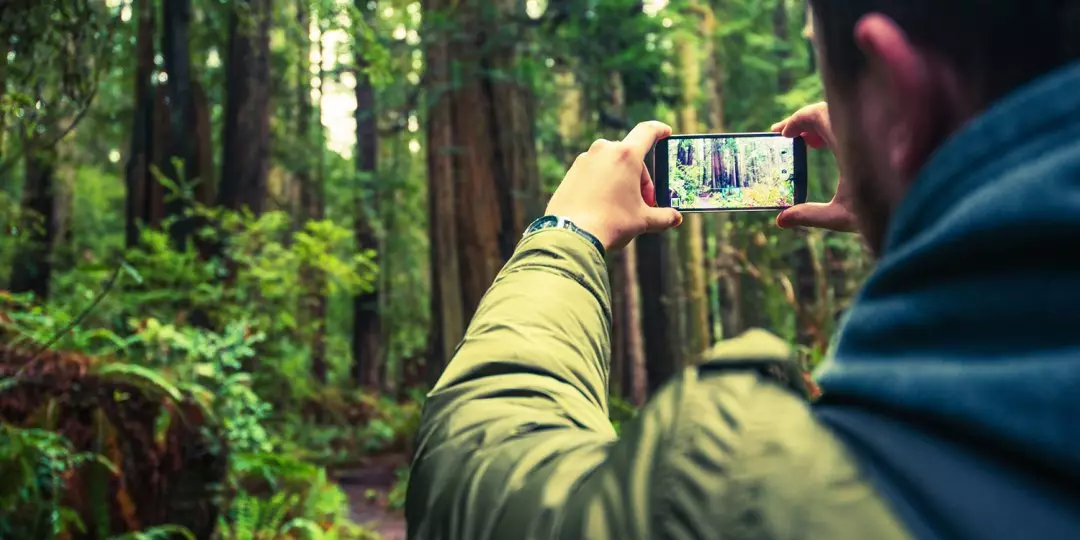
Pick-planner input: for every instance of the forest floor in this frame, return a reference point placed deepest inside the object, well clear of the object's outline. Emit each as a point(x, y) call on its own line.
point(367, 486)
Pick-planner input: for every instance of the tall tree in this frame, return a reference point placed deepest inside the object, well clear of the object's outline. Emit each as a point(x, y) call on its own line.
point(311, 191)
point(32, 271)
point(447, 301)
point(627, 347)
point(481, 153)
point(723, 275)
point(179, 161)
point(139, 160)
point(366, 349)
point(246, 140)
point(691, 238)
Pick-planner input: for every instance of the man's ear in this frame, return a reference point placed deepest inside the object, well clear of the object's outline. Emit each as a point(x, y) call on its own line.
point(909, 98)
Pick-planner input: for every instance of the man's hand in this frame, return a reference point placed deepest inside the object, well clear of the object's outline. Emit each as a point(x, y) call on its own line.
point(812, 123)
point(609, 193)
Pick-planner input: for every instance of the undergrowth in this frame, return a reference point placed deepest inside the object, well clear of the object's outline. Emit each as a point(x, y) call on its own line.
point(240, 378)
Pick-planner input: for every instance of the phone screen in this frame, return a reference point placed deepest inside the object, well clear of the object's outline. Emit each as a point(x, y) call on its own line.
point(733, 172)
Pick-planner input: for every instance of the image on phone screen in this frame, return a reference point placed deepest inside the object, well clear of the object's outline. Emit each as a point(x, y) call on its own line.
point(730, 172)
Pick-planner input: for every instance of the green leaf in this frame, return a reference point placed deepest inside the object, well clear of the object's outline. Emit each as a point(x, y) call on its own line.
point(144, 378)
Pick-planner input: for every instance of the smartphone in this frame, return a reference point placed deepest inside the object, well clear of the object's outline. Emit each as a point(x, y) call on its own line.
point(731, 172)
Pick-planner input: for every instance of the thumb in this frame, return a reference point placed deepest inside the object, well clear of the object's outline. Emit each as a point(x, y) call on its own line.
point(661, 219)
point(823, 216)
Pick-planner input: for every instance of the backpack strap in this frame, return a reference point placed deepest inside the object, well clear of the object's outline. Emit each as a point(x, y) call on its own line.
point(762, 352)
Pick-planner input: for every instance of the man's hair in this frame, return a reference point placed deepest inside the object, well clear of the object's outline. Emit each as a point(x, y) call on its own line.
point(997, 45)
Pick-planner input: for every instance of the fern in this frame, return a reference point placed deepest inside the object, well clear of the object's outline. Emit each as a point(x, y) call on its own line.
point(158, 532)
point(143, 378)
point(311, 530)
point(246, 519)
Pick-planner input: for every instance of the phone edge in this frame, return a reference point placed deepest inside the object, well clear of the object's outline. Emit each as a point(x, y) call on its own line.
point(802, 172)
point(660, 173)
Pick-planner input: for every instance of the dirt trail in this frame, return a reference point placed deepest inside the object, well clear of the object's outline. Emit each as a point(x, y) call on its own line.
point(367, 487)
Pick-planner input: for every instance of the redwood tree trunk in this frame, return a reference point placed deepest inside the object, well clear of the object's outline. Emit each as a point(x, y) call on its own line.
point(246, 138)
point(32, 270)
point(485, 124)
point(180, 145)
point(447, 301)
point(634, 379)
point(366, 324)
point(142, 134)
point(657, 308)
point(311, 194)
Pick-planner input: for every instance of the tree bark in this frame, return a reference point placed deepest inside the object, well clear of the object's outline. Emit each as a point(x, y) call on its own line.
point(138, 175)
point(627, 347)
point(691, 237)
point(447, 300)
point(489, 116)
point(32, 270)
point(246, 138)
point(806, 265)
point(4, 184)
point(723, 267)
point(176, 53)
point(367, 357)
point(311, 197)
point(654, 266)
point(633, 381)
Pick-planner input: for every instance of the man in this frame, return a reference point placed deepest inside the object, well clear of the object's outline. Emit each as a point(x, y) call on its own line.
point(951, 399)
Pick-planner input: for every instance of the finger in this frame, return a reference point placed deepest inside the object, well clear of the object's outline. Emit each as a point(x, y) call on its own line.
point(648, 189)
point(598, 144)
point(818, 215)
point(661, 219)
point(813, 140)
point(813, 119)
point(779, 126)
point(644, 135)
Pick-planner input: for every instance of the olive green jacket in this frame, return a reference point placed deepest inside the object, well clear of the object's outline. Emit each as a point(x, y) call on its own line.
point(515, 441)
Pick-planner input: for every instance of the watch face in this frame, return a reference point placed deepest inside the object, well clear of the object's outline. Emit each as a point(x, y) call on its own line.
point(545, 222)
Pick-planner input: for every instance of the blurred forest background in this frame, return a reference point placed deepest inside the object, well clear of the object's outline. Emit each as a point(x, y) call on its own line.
point(242, 237)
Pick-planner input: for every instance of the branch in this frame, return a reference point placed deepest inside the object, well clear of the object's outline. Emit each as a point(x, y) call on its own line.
point(30, 146)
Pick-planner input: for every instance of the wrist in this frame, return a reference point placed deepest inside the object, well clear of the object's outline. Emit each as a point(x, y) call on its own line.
point(554, 221)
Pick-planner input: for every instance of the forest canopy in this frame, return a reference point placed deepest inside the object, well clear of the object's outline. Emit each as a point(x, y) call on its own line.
point(243, 237)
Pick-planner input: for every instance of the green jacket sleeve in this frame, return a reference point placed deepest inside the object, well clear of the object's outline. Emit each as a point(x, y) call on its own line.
point(515, 442)
point(518, 422)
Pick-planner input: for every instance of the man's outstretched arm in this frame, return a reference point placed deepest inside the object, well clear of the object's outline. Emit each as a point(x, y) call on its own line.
point(515, 441)
point(526, 390)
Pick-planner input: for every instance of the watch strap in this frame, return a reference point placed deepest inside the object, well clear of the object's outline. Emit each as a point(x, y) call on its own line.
point(559, 222)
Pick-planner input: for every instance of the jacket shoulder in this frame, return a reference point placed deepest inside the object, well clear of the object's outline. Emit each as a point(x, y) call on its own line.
point(757, 464)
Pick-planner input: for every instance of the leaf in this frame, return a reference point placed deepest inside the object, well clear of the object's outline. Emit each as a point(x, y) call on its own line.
point(144, 378)
point(312, 529)
point(131, 272)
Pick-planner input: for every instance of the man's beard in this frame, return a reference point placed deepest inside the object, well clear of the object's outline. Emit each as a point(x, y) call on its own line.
point(872, 215)
point(872, 210)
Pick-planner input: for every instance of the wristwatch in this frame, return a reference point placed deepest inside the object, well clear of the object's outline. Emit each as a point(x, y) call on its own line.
point(559, 222)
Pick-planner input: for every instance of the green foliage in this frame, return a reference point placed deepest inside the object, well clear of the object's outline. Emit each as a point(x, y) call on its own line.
point(34, 465)
point(396, 497)
point(279, 496)
point(173, 360)
point(210, 367)
point(220, 321)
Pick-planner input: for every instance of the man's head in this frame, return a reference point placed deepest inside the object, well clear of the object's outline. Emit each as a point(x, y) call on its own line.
point(902, 75)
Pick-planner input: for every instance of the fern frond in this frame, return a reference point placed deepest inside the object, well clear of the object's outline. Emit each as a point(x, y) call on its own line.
point(144, 378)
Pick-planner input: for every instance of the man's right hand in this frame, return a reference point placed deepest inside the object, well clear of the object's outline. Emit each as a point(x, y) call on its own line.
point(812, 123)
